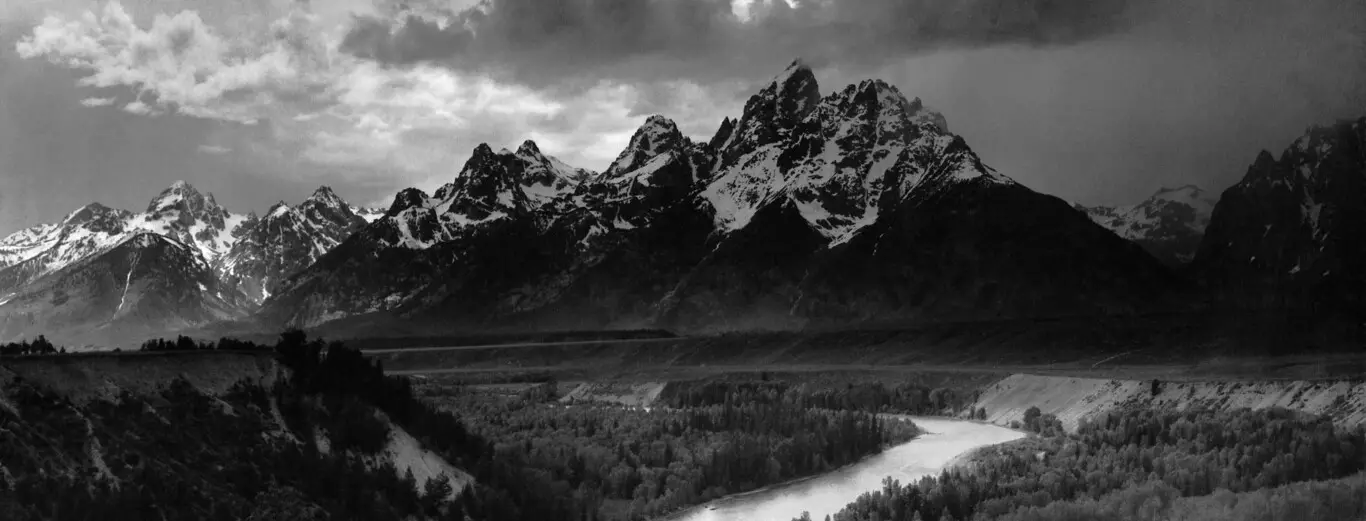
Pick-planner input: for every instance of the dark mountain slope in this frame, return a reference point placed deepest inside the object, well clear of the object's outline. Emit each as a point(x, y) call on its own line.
point(1288, 236)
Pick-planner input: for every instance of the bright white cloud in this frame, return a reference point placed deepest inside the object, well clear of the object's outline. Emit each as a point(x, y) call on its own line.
point(181, 61)
point(403, 125)
point(97, 102)
point(142, 109)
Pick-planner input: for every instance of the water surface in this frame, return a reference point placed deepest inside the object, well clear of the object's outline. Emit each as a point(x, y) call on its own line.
point(829, 493)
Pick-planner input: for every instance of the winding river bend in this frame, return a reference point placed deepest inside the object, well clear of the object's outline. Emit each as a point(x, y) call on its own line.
point(828, 493)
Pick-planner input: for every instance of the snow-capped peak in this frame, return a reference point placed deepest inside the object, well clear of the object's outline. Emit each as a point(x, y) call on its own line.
point(795, 91)
point(1168, 224)
point(326, 197)
point(528, 148)
point(278, 210)
point(510, 181)
point(179, 196)
point(834, 157)
point(656, 136)
point(190, 217)
point(411, 198)
point(93, 212)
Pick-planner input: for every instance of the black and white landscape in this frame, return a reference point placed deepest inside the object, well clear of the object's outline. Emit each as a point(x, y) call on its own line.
point(858, 208)
point(698, 260)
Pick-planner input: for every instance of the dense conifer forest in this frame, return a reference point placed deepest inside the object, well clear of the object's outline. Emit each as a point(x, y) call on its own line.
point(904, 398)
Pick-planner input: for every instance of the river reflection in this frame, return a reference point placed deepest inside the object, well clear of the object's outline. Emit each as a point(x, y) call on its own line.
point(829, 493)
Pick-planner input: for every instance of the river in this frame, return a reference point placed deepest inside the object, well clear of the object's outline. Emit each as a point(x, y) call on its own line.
point(828, 493)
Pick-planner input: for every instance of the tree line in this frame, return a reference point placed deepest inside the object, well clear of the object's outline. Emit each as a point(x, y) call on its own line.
point(1192, 453)
point(184, 343)
point(904, 398)
point(39, 346)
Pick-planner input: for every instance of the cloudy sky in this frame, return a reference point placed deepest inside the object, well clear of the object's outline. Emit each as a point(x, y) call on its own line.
point(1101, 101)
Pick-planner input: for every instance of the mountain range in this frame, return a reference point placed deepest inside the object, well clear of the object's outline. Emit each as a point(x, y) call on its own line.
point(182, 262)
point(857, 207)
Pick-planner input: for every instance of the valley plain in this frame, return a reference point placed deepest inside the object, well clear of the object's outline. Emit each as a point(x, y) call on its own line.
point(645, 425)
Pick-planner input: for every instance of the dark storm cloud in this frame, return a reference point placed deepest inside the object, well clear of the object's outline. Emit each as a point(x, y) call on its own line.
point(1190, 96)
point(540, 42)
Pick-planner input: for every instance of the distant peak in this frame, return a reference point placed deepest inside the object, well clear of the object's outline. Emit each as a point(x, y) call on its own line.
point(324, 190)
point(94, 207)
point(1264, 158)
point(657, 135)
point(793, 92)
point(529, 147)
point(659, 120)
point(277, 209)
point(654, 128)
point(180, 195)
point(797, 78)
point(86, 213)
point(410, 197)
point(181, 187)
point(483, 150)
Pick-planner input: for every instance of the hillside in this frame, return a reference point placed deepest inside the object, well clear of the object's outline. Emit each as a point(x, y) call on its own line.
point(1074, 400)
point(205, 435)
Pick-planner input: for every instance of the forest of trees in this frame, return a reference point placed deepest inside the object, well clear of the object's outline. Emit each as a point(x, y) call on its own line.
point(39, 346)
point(875, 397)
point(632, 463)
point(1130, 458)
point(227, 458)
point(184, 343)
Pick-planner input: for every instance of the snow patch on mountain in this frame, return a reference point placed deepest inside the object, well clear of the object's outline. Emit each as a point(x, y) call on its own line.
point(1169, 224)
point(491, 187)
point(835, 162)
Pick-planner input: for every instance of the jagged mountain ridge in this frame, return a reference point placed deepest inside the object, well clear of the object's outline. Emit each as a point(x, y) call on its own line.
point(1170, 224)
point(1287, 235)
point(740, 231)
point(242, 254)
point(286, 240)
point(179, 212)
